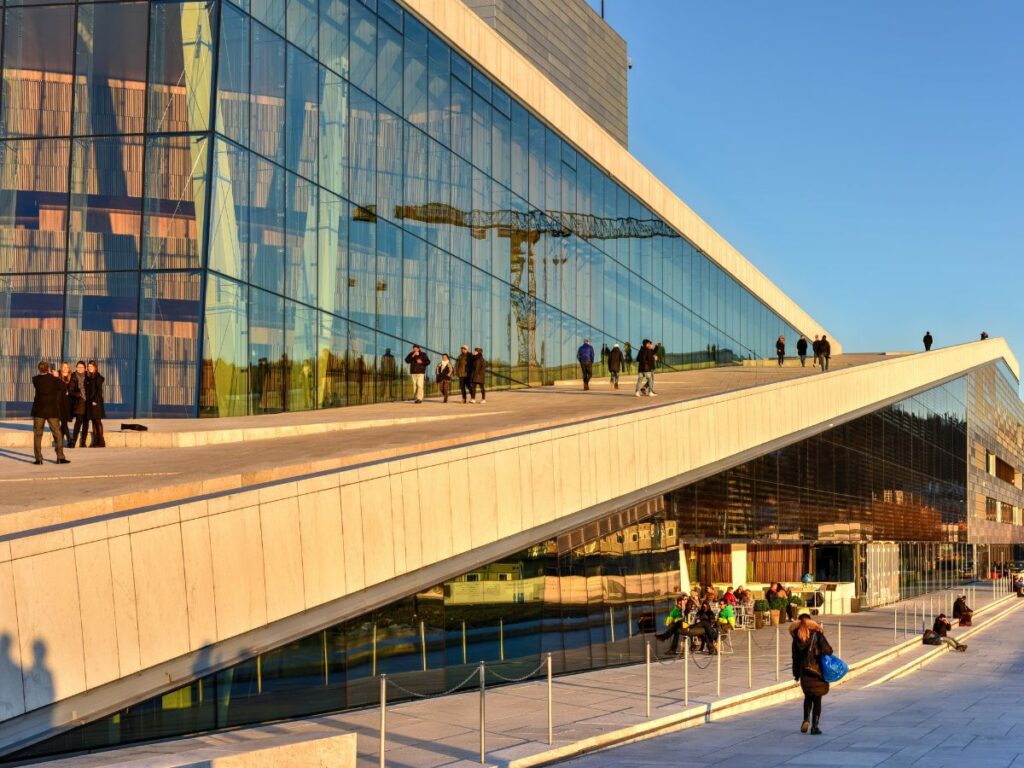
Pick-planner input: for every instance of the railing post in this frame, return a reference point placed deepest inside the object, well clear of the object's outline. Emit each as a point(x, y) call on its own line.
point(777, 654)
point(686, 671)
point(463, 642)
point(895, 623)
point(629, 620)
point(423, 645)
point(501, 638)
point(373, 664)
point(647, 675)
point(551, 709)
point(483, 713)
point(383, 728)
point(718, 672)
point(839, 639)
point(750, 660)
point(611, 622)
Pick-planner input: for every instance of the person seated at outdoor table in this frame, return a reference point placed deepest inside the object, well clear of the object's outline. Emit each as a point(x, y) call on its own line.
point(1018, 585)
point(726, 615)
point(962, 612)
point(706, 622)
point(674, 623)
point(730, 597)
point(941, 627)
point(776, 591)
point(710, 593)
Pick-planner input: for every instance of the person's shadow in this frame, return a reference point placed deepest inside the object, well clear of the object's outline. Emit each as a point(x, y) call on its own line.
point(39, 680)
point(12, 692)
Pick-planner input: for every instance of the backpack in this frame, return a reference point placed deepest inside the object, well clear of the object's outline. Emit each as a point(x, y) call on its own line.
point(931, 638)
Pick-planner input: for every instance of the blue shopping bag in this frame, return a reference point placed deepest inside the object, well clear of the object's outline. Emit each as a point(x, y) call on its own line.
point(833, 669)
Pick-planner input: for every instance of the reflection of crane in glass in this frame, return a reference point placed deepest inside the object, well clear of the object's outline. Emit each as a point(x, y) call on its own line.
point(526, 228)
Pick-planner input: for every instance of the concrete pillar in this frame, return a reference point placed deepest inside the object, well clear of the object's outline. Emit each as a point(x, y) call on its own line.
point(739, 564)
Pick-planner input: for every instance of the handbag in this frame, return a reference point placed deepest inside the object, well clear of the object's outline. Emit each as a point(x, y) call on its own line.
point(833, 669)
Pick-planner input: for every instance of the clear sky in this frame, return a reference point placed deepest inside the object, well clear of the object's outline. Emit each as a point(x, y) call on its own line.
point(867, 156)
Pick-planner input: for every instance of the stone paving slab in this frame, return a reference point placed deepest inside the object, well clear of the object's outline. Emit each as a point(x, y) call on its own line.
point(436, 733)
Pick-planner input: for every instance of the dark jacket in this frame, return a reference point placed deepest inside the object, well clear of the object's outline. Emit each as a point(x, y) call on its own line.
point(463, 365)
point(940, 627)
point(816, 347)
point(927, 340)
point(801, 347)
point(585, 354)
point(780, 347)
point(479, 369)
point(77, 392)
point(615, 360)
point(417, 363)
point(960, 608)
point(826, 348)
point(645, 360)
point(49, 393)
point(444, 371)
point(67, 405)
point(94, 396)
point(807, 655)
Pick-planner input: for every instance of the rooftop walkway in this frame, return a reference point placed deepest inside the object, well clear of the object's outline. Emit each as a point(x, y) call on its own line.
point(182, 458)
point(435, 733)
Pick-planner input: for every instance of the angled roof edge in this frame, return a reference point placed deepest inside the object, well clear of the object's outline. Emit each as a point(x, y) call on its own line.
point(469, 33)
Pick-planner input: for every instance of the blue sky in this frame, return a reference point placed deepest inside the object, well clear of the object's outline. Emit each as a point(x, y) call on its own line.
point(868, 156)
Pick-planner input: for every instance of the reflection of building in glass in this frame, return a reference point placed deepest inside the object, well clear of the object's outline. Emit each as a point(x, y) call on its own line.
point(237, 211)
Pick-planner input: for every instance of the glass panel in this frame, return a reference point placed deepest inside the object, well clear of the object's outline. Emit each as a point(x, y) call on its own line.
point(38, 62)
point(271, 13)
point(101, 320)
point(31, 315)
point(334, 35)
point(267, 359)
point(363, 49)
point(333, 254)
point(233, 76)
point(106, 204)
point(224, 388)
point(363, 135)
point(168, 344)
point(390, 165)
point(266, 224)
point(333, 342)
point(389, 279)
point(389, 68)
point(415, 75)
point(300, 240)
point(302, 25)
point(334, 138)
point(111, 68)
point(33, 205)
point(180, 66)
point(229, 211)
point(301, 118)
point(267, 93)
point(175, 206)
point(300, 360)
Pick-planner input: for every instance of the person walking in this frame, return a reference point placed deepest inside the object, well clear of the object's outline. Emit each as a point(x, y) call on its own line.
point(478, 375)
point(463, 368)
point(585, 357)
point(418, 362)
point(809, 645)
point(816, 349)
point(46, 409)
point(94, 406)
point(615, 364)
point(443, 374)
point(801, 350)
point(826, 352)
point(66, 405)
point(780, 349)
point(78, 405)
point(659, 354)
point(984, 335)
point(927, 341)
point(645, 361)
point(628, 359)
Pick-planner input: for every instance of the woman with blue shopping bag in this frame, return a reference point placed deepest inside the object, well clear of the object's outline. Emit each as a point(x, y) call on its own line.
point(814, 666)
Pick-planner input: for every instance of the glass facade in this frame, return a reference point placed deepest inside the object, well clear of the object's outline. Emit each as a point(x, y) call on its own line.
point(879, 501)
point(258, 207)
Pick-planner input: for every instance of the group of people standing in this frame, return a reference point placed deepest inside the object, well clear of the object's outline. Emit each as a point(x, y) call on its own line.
point(647, 360)
point(820, 347)
point(66, 394)
point(469, 368)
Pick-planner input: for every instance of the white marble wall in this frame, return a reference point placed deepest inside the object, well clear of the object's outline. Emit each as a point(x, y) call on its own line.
point(94, 602)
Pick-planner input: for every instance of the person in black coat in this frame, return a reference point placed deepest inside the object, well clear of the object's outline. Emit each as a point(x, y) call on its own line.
point(77, 392)
point(927, 340)
point(809, 645)
point(801, 350)
point(646, 361)
point(463, 369)
point(94, 407)
point(46, 409)
point(615, 360)
point(826, 352)
point(478, 375)
point(780, 349)
point(66, 405)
